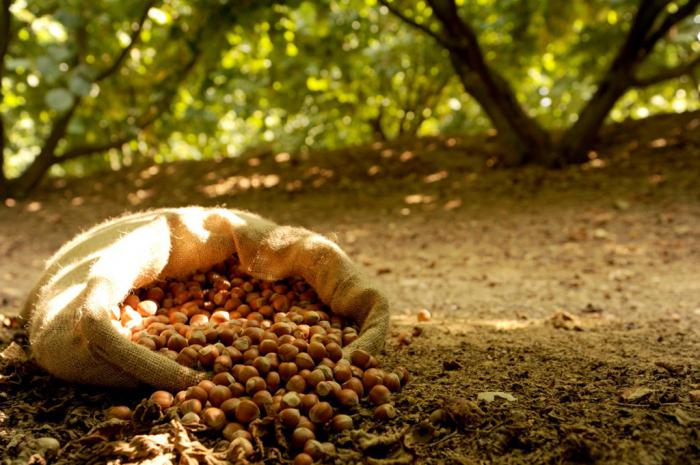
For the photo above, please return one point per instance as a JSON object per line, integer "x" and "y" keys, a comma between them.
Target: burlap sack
{"x": 68, "y": 311}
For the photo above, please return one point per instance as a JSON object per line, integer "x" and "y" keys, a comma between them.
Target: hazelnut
{"x": 334, "y": 351}
{"x": 289, "y": 417}
{"x": 190, "y": 418}
{"x": 267, "y": 346}
{"x": 214, "y": 418}
{"x": 231, "y": 429}
{"x": 380, "y": 394}
{"x": 296, "y": 383}
{"x": 321, "y": 413}
{"x": 304, "y": 361}
{"x": 247, "y": 411}
{"x": 360, "y": 358}
{"x": 347, "y": 398}
{"x": 222, "y": 363}
{"x": 291, "y": 400}
{"x": 304, "y": 422}
{"x": 287, "y": 352}
{"x": 402, "y": 374}
{"x": 273, "y": 380}
{"x": 121, "y": 412}
{"x": 197, "y": 392}
{"x": 392, "y": 381}
{"x": 341, "y": 423}
{"x": 303, "y": 459}
{"x": 223, "y": 379}
{"x": 190, "y": 405}
{"x": 218, "y": 395}
{"x": 384, "y": 412}
{"x": 229, "y": 406}
{"x": 206, "y": 385}
{"x": 314, "y": 448}
{"x": 356, "y": 385}
{"x": 372, "y": 377}
{"x": 287, "y": 370}
{"x": 315, "y": 377}
{"x": 176, "y": 342}
{"x": 164, "y": 399}
{"x": 237, "y": 389}
{"x": 246, "y": 372}
{"x": 255, "y": 384}
{"x": 308, "y": 401}
{"x": 342, "y": 373}
{"x": 300, "y": 436}
{"x": 208, "y": 355}
{"x": 241, "y": 445}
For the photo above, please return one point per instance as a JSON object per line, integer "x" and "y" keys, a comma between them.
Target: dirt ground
{"x": 566, "y": 304}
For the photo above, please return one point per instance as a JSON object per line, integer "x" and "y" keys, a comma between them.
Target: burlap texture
{"x": 68, "y": 311}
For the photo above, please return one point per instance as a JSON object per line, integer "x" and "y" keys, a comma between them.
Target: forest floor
{"x": 573, "y": 295}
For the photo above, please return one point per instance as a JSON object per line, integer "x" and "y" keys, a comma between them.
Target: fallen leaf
{"x": 635, "y": 393}
{"x": 490, "y": 396}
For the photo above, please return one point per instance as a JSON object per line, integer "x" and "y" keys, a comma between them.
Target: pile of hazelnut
{"x": 273, "y": 352}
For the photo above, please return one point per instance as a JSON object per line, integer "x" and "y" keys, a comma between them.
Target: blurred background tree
{"x": 91, "y": 86}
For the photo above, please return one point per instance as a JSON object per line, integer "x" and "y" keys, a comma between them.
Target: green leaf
{"x": 59, "y": 53}
{"x": 76, "y": 127}
{"x": 59, "y": 99}
{"x": 79, "y": 86}
{"x": 46, "y": 66}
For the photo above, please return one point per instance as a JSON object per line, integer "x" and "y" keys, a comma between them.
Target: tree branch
{"x": 148, "y": 117}
{"x": 5, "y": 32}
{"x": 422, "y": 27}
{"x": 668, "y": 22}
{"x": 135, "y": 34}
{"x": 5, "y": 36}
{"x": 666, "y": 74}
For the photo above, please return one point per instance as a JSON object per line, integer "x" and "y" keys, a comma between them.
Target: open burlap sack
{"x": 68, "y": 311}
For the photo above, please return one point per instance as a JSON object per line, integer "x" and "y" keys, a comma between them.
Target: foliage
{"x": 209, "y": 78}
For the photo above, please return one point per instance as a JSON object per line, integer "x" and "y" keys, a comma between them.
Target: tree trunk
{"x": 574, "y": 146}
{"x": 32, "y": 176}
{"x": 523, "y": 138}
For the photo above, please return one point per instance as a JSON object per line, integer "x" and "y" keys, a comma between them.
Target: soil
{"x": 565, "y": 304}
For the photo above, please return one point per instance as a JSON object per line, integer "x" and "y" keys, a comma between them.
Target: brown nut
{"x": 214, "y": 418}
{"x": 356, "y": 385}
{"x": 341, "y": 423}
{"x": 380, "y": 394}
{"x": 304, "y": 361}
{"x": 197, "y": 392}
{"x": 372, "y": 377}
{"x": 218, "y": 395}
{"x": 348, "y": 398}
{"x": 360, "y": 358}
{"x": 384, "y": 412}
{"x": 287, "y": 352}
{"x": 247, "y": 411}
{"x": 321, "y": 413}
{"x": 392, "y": 381}
{"x": 300, "y": 436}
{"x": 121, "y": 412}
{"x": 164, "y": 399}
{"x": 191, "y": 405}
{"x": 314, "y": 448}
{"x": 289, "y": 417}
{"x": 303, "y": 459}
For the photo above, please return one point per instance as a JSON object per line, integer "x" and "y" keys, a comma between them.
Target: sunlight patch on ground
{"x": 233, "y": 184}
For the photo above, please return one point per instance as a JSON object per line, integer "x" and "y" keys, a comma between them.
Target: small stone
{"x": 424, "y": 315}
{"x": 694, "y": 395}
{"x": 48, "y": 443}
